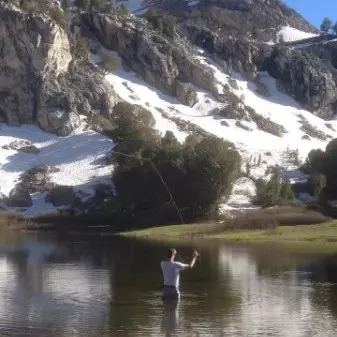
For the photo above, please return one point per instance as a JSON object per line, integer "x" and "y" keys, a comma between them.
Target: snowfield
{"x": 79, "y": 157}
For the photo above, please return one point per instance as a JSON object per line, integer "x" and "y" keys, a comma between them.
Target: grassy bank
{"x": 321, "y": 237}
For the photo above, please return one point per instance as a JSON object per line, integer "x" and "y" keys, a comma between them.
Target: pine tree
{"x": 286, "y": 192}
{"x": 326, "y": 25}
{"x": 318, "y": 183}
{"x": 334, "y": 28}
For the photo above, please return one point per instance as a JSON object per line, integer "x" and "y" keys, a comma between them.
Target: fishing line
{"x": 160, "y": 177}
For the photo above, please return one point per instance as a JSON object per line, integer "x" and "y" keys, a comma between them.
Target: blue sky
{"x": 315, "y": 10}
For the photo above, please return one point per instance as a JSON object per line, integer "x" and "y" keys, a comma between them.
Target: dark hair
{"x": 170, "y": 252}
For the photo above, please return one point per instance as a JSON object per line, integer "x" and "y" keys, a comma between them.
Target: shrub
{"x": 317, "y": 183}
{"x": 273, "y": 192}
{"x": 108, "y": 62}
{"x": 81, "y": 48}
{"x": 164, "y": 23}
{"x": 271, "y": 218}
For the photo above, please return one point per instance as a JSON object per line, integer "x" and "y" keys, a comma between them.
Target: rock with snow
{"x": 152, "y": 56}
{"x": 19, "y": 197}
{"x": 38, "y": 179}
{"x": 22, "y": 145}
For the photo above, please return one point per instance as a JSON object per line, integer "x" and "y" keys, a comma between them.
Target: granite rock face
{"x": 39, "y": 80}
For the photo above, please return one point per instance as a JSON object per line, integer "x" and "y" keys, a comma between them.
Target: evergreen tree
{"x": 334, "y": 28}
{"x": 286, "y": 192}
{"x": 317, "y": 183}
{"x": 326, "y": 25}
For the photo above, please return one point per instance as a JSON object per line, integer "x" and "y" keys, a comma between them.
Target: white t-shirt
{"x": 171, "y": 272}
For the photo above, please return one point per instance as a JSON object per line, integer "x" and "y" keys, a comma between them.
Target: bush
{"x": 274, "y": 192}
{"x": 81, "y": 48}
{"x": 108, "y": 62}
{"x": 271, "y": 218}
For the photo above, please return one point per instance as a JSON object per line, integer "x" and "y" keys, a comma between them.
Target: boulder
{"x": 61, "y": 195}
{"x": 19, "y": 197}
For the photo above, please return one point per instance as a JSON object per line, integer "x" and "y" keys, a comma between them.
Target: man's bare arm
{"x": 194, "y": 258}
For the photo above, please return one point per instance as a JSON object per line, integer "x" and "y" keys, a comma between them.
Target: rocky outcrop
{"x": 259, "y": 20}
{"x": 78, "y": 91}
{"x": 39, "y": 80}
{"x": 19, "y": 197}
{"x": 306, "y": 78}
{"x": 22, "y": 146}
{"x": 161, "y": 62}
{"x": 33, "y": 49}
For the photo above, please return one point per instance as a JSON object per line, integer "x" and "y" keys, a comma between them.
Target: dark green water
{"x": 53, "y": 286}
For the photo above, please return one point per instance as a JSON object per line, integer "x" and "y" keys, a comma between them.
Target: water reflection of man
{"x": 170, "y": 319}
{"x": 171, "y": 270}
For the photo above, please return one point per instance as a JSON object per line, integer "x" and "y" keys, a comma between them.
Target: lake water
{"x": 52, "y": 286}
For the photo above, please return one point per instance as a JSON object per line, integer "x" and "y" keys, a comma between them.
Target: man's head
{"x": 171, "y": 253}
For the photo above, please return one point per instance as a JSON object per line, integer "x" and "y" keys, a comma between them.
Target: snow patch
{"x": 192, "y": 3}
{"x": 79, "y": 157}
{"x": 290, "y": 34}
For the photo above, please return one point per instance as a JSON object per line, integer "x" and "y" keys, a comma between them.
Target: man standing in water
{"x": 171, "y": 270}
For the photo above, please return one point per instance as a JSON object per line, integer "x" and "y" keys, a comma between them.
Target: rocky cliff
{"x": 40, "y": 82}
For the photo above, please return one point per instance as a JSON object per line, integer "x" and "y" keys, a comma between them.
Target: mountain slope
{"x": 230, "y": 78}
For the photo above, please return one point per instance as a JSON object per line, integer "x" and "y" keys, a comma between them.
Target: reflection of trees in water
{"x": 324, "y": 274}
{"x": 56, "y": 297}
{"x": 229, "y": 289}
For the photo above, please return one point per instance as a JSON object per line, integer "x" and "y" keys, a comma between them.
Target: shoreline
{"x": 320, "y": 238}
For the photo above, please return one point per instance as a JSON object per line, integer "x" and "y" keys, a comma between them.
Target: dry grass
{"x": 13, "y": 221}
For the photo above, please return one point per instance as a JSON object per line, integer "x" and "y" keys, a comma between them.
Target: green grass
{"x": 189, "y": 231}
{"x": 313, "y": 238}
